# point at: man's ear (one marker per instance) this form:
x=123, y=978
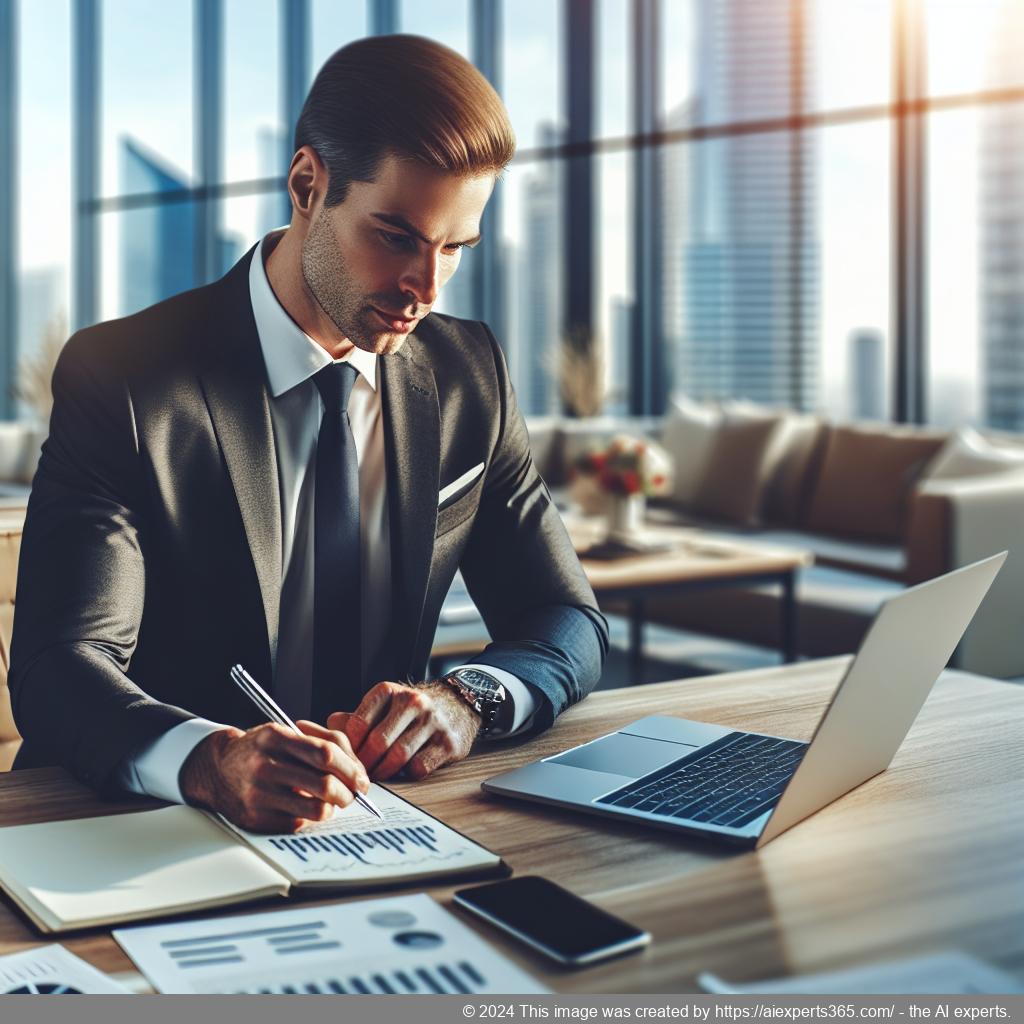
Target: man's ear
x=307, y=182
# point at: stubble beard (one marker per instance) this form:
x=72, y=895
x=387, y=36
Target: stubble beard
x=328, y=279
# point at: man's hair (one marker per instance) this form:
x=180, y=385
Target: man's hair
x=407, y=96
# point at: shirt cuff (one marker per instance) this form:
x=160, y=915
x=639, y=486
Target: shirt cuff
x=524, y=704
x=154, y=770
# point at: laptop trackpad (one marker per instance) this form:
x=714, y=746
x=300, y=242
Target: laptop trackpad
x=620, y=754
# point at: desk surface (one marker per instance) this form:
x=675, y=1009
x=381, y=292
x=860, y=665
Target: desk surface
x=925, y=856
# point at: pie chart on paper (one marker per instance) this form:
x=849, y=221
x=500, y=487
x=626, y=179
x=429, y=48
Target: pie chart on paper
x=44, y=988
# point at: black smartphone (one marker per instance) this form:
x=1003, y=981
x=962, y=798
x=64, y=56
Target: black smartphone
x=552, y=920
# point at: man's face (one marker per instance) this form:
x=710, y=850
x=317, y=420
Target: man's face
x=376, y=262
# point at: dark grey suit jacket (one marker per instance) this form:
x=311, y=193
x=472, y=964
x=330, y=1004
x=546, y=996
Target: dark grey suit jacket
x=151, y=559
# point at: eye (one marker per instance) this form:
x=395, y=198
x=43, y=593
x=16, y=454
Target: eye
x=395, y=240
x=454, y=249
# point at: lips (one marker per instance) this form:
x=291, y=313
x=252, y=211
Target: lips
x=393, y=322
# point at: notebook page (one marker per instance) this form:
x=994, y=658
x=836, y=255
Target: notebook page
x=356, y=846
x=125, y=866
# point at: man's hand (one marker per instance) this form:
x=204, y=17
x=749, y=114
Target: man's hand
x=270, y=779
x=419, y=728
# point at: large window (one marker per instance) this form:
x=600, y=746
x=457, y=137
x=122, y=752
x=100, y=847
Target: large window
x=44, y=193
x=807, y=203
x=447, y=21
x=975, y=216
x=146, y=148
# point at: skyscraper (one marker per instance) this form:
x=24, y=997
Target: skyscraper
x=157, y=242
x=540, y=319
x=618, y=352
x=676, y=188
x=751, y=318
x=866, y=374
x=456, y=298
x=1001, y=236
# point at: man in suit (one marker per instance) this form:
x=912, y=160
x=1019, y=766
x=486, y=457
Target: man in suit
x=285, y=469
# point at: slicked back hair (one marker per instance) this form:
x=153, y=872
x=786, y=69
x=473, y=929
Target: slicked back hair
x=403, y=95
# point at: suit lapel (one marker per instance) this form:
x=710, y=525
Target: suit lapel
x=412, y=446
x=235, y=385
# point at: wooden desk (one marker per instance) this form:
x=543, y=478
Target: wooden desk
x=925, y=856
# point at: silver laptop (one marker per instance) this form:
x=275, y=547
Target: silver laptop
x=743, y=787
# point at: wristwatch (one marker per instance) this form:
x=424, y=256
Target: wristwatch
x=481, y=691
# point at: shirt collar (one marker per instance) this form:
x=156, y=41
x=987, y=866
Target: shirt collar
x=292, y=356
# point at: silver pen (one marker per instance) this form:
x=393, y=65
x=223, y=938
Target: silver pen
x=272, y=710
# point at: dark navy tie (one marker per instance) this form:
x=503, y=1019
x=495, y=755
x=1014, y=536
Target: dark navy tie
x=337, y=632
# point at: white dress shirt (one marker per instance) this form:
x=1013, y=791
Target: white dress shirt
x=292, y=358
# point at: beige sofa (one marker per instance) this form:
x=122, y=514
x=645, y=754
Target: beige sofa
x=880, y=506
x=10, y=544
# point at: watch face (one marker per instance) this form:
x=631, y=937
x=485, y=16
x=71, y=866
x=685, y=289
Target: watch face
x=477, y=680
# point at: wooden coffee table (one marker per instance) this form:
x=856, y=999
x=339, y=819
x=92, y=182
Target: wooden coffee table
x=696, y=560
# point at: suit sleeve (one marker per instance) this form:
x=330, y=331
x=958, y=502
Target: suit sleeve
x=81, y=580
x=523, y=573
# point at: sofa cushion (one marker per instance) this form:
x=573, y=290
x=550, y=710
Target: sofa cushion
x=20, y=444
x=870, y=558
x=866, y=479
x=967, y=453
x=835, y=610
x=737, y=468
x=688, y=435
x=798, y=449
x=887, y=561
x=545, y=447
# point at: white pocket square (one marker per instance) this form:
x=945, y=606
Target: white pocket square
x=456, y=485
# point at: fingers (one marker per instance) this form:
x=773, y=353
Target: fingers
x=322, y=750
x=338, y=722
x=337, y=738
x=333, y=735
x=433, y=755
x=262, y=797
x=394, y=724
x=402, y=750
x=299, y=805
x=271, y=779
x=372, y=708
x=284, y=795
x=322, y=786
x=409, y=709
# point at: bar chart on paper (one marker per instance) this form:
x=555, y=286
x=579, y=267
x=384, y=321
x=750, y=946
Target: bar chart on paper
x=354, y=845
x=379, y=846
x=406, y=945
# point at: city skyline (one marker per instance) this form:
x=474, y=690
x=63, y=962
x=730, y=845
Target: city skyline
x=1001, y=188
x=850, y=214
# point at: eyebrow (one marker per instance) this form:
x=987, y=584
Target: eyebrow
x=396, y=220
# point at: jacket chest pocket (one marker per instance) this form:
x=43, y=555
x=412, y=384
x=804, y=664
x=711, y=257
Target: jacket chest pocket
x=459, y=500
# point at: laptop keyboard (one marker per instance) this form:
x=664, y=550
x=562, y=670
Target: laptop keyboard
x=729, y=782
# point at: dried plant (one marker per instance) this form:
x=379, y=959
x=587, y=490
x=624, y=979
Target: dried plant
x=35, y=372
x=578, y=368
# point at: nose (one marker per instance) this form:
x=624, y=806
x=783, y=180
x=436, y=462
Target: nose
x=420, y=278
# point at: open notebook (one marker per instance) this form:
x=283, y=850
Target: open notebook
x=127, y=867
